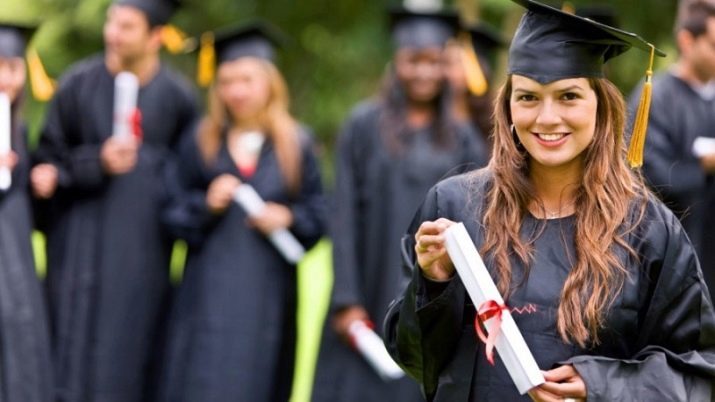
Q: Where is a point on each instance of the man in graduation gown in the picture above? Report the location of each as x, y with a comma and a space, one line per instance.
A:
108, 255
683, 109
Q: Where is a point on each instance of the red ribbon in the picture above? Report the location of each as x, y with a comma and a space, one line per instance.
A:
489, 309
136, 124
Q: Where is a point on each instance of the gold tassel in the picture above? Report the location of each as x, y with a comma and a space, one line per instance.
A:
173, 39
43, 87
207, 60
568, 8
476, 81
640, 124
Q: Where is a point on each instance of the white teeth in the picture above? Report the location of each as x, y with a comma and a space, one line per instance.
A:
551, 137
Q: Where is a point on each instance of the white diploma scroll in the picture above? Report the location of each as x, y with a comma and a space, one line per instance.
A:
126, 93
5, 133
372, 348
282, 239
703, 146
510, 344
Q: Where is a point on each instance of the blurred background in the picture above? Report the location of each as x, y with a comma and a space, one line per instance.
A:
336, 54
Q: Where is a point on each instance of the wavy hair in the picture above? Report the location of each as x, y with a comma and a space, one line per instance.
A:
606, 205
275, 120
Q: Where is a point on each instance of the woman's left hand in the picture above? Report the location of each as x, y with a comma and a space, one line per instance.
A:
274, 216
562, 384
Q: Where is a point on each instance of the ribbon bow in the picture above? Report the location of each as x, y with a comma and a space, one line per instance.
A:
489, 309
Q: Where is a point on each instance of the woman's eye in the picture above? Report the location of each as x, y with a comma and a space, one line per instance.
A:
526, 98
569, 96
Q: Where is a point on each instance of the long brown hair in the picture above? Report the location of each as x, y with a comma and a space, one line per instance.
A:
604, 201
275, 119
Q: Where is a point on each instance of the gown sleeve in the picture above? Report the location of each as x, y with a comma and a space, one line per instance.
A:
676, 345
345, 213
310, 207
186, 214
422, 329
79, 165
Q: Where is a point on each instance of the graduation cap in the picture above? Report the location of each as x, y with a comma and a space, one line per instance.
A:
551, 45
422, 29
257, 39
479, 41
158, 12
14, 40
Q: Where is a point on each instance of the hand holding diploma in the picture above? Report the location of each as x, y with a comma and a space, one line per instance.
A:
119, 154
562, 384
274, 227
431, 252
220, 193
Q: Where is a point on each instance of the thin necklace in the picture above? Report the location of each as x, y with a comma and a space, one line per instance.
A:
557, 214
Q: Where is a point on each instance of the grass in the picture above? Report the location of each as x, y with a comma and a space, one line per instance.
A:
315, 278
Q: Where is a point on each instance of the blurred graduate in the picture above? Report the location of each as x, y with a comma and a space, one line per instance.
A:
232, 334
598, 274
108, 255
392, 149
469, 61
26, 373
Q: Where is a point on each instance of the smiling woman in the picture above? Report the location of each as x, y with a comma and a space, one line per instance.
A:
563, 225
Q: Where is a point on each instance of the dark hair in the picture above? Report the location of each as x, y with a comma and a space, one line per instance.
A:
693, 17
393, 119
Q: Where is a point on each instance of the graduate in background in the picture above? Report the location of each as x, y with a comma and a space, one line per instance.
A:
24, 334
469, 63
392, 149
232, 333
603, 283
108, 255
683, 109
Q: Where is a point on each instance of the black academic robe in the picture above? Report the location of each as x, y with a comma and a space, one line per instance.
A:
657, 344
233, 329
678, 115
108, 255
25, 365
376, 195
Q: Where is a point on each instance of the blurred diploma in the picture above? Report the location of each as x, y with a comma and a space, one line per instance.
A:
5, 147
371, 347
509, 343
282, 239
126, 92
703, 146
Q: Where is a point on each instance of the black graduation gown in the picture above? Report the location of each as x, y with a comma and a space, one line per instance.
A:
25, 365
376, 195
233, 329
659, 338
108, 255
678, 115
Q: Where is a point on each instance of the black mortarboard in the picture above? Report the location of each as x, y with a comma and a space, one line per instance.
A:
486, 39
255, 39
158, 12
550, 44
412, 29
600, 13
14, 38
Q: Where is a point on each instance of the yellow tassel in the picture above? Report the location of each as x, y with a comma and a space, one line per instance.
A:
476, 81
173, 39
568, 8
43, 87
207, 60
640, 124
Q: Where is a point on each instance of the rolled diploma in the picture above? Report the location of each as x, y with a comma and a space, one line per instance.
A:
126, 93
372, 348
5, 146
282, 239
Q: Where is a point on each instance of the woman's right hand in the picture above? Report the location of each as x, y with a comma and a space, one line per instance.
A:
220, 192
343, 318
43, 179
431, 252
